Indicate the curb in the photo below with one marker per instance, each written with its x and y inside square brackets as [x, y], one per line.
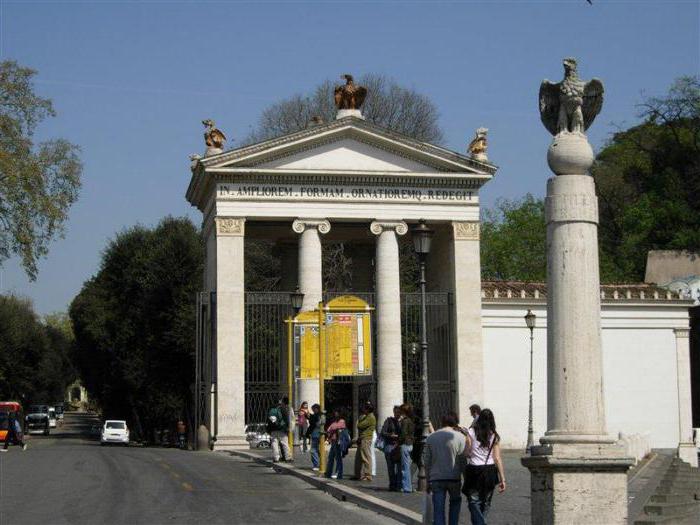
[340, 491]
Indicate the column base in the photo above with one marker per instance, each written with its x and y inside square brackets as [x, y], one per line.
[578, 483]
[688, 452]
[230, 443]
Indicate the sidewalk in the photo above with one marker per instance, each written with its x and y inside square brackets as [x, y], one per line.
[510, 508]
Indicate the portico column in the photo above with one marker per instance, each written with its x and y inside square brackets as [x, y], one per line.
[230, 333]
[686, 449]
[311, 285]
[388, 304]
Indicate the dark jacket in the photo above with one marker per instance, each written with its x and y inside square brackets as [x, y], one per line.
[408, 428]
[314, 424]
[391, 426]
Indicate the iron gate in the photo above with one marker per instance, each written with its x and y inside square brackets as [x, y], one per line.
[205, 374]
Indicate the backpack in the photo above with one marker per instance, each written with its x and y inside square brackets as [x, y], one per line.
[273, 421]
[344, 441]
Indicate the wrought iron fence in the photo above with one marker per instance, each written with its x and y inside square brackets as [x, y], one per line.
[204, 363]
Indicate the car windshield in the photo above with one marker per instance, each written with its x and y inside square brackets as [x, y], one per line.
[115, 424]
[38, 409]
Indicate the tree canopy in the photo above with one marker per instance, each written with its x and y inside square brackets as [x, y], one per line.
[38, 182]
[134, 324]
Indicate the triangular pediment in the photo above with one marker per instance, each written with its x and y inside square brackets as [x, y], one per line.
[349, 144]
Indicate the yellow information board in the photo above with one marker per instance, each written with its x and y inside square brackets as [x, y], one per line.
[306, 345]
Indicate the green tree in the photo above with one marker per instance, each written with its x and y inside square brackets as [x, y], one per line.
[38, 182]
[134, 324]
[648, 182]
[513, 241]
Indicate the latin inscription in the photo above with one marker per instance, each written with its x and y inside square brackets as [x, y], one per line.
[243, 191]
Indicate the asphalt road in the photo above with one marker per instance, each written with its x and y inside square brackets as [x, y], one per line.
[69, 478]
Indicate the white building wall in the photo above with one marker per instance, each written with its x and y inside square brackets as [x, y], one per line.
[639, 369]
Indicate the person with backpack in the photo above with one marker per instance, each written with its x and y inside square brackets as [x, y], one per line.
[388, 442]
[336, 433]
[366, 425]
[406, 433]
[485, 469]
[278, 428]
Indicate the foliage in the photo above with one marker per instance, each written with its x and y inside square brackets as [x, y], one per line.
[134, 325]
[648, 182]
[388, 105]
[35, 360]
[38, 183]
[513, 244]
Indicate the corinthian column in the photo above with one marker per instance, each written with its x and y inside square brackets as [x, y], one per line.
[388, 303]
[310, 284]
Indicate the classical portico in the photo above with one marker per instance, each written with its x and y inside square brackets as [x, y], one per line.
[344, 179]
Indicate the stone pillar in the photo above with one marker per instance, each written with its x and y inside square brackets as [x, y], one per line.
[388, 317]
[230, 334]
[686, 448]
[311, 285]
[579, 474]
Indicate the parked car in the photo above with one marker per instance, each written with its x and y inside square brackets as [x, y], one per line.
[115, 431]
[52, 417]
[7, 408]
[256, 435]
[37, 420]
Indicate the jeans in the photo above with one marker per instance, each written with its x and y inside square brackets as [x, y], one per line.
[406, 483]
[314, 451]
[478, 508]
[335, 455]
[393, 468]
[440, 490]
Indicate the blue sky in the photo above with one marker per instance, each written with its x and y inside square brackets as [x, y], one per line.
[132, 80]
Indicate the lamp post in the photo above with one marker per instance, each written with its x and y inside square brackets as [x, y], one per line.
[530, 321]
[296, 299]
[422, 237]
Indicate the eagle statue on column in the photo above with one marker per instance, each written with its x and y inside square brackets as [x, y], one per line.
[349, 96]
[571, 105]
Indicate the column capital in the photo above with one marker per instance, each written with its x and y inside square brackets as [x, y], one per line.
[322, 225]
[466, 231]
[230, 226]
[682, 333]
[378, 227]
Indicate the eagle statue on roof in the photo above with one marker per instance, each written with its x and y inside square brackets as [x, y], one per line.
[349, 96]
[213, 136]
[571, 105]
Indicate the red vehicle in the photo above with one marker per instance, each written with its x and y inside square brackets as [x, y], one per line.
[7, 408]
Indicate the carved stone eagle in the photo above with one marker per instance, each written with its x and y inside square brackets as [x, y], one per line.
[349, 96]
[213, 136]
[572, 104]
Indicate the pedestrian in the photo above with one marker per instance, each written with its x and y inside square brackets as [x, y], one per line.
[181, 435]
[444, 461]
[335, 453]
[303, 425]
[314, 434]
[408, 428]
[485, 469]
[14, 432]
[474, 410]
[278, 428]
[366, 426]
[389, 439]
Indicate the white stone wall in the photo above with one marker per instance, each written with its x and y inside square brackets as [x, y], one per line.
[639, 369]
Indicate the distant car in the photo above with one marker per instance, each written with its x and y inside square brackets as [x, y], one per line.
[59, 411]
[256, 435]
[115, 431]
[37, 420]
[52, 417]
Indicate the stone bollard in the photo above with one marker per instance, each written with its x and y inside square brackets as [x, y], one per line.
[203, 438]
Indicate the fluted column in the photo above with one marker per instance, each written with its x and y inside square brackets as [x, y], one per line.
[388, 304]
[686, 447]
[310, 284]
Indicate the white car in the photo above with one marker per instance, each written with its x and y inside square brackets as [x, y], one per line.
[115, 431]
[52, 417]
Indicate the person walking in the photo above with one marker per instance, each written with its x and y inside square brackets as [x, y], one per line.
[14, 433]
[314, 434]
[444, 461]
[389, 436]
[366, 425]
[485, 469]
[303, 425]
[278, 428]
[474, 410]
[335, 454]
[406, 435]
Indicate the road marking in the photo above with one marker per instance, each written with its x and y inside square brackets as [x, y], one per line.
[187, 486]
[175, 475]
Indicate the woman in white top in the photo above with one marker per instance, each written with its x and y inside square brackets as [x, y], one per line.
[485, 469]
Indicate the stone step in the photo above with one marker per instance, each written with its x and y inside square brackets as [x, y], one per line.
[676, 489]
[672, 498]
[687, 479]
[671, 509]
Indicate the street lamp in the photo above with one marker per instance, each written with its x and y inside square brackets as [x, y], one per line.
[530, 321]
[422, 238]
[297, 300]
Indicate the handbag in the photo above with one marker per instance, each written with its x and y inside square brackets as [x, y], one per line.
[379, 444]
[482, 478]
[395, 454]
